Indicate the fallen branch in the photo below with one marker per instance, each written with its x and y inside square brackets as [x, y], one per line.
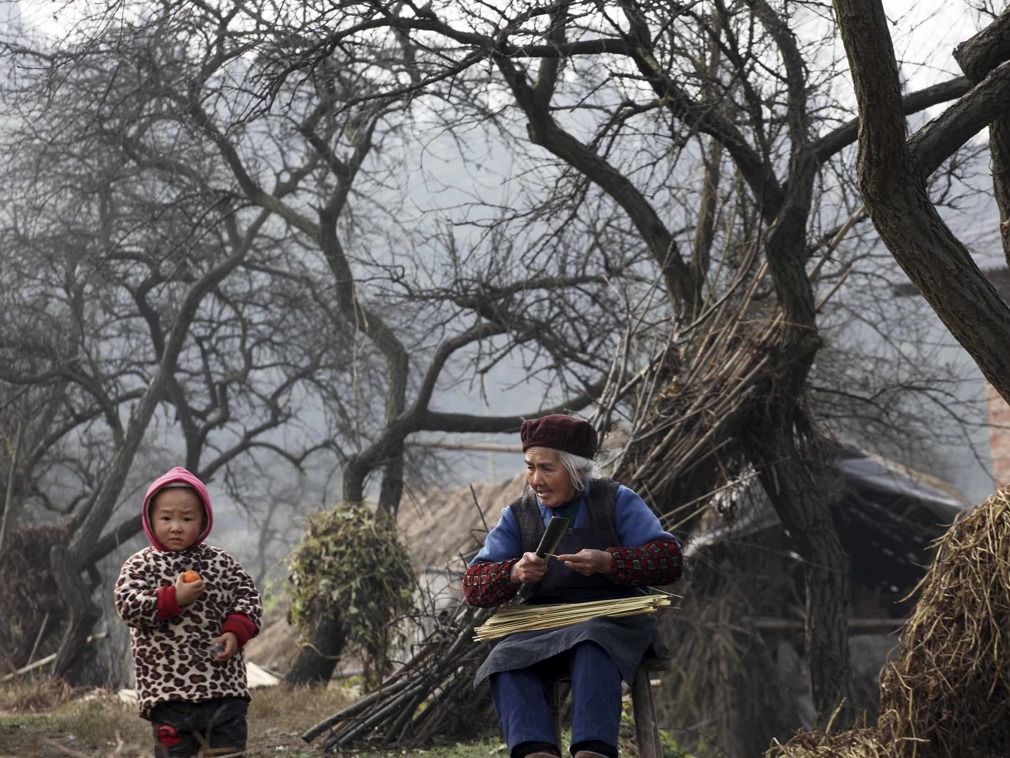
[43, 661]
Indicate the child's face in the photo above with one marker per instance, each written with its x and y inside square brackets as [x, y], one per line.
[177, 517]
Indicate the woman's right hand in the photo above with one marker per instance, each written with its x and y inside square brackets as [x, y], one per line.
[529, 568]
[187, 592]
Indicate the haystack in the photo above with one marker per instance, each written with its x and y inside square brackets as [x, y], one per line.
[948, 692]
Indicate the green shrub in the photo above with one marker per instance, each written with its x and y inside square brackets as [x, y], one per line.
[351, 568]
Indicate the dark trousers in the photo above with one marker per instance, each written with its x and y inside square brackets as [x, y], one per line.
[522, 699]
[205, 728]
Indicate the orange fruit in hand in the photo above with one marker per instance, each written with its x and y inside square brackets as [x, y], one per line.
[189, 576]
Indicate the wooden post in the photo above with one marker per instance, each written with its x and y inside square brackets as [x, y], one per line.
[644, 712]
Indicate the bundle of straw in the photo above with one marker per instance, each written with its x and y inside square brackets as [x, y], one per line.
[951, 686]
[854, 743]
[948, 693]
[526, 618]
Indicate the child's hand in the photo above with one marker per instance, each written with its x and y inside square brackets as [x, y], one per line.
[228, 644]
[187, 592]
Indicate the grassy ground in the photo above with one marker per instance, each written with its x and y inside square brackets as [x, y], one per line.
[44, 719]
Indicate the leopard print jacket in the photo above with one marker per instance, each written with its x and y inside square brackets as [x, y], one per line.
[172, 644]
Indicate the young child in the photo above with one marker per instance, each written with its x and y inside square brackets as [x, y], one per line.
[187, 636]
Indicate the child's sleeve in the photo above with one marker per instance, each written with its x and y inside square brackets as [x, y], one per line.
[138, 602]
[245, 615]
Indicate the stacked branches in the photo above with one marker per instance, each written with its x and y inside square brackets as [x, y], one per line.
[948, 693]
[731, 686]
[28, 596]
[692, 415]
[431, 696]
[526, 618]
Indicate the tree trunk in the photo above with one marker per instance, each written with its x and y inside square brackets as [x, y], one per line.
[893, 187]
[999, 148]
[802, 490]
[316, 661]
[391, 490]
[83, 613]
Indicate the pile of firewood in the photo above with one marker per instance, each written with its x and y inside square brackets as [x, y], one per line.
[430, 696]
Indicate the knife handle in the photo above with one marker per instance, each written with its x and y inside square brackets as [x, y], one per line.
[525, 591]
[526, 588]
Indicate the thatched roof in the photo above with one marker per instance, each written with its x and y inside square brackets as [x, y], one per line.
[887, 515]
[438, 524]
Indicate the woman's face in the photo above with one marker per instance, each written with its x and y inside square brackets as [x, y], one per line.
[547, 477]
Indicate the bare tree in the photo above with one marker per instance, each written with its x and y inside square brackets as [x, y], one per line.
[142, 292]
[666, 150]
[616, 95]
[893, 168]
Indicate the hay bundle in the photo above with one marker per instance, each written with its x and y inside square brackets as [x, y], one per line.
[950, 687]
[854, 743]
[525, 618]
[949, 691]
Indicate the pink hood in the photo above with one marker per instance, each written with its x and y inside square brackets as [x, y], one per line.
[177, 475]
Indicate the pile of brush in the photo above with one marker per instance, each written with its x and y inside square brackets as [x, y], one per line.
[948, 692]
[431, 696]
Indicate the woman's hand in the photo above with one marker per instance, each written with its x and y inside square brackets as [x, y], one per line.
[529, 568]
[587, 561]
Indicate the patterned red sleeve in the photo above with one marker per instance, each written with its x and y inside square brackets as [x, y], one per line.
[656, 562]
[487, 584]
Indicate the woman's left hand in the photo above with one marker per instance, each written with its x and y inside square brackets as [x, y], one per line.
[587, 561]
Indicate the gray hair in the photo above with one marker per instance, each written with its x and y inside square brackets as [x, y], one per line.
[579, 469]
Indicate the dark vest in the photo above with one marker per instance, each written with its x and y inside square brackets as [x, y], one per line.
[560, 584]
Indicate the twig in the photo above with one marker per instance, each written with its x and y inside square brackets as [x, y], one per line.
[38, 638]
[9, 494]
[476, 504]
[43, 661]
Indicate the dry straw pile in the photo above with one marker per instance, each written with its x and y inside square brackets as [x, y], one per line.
[948, 692]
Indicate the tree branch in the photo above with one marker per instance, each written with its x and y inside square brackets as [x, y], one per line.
[895, 194]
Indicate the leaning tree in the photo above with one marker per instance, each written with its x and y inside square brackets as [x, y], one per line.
[685, 151]
[707, 135]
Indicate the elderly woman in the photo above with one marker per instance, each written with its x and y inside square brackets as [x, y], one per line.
[614, 546]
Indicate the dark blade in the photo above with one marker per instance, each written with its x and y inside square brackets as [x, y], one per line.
[552, 536]
[548, 543]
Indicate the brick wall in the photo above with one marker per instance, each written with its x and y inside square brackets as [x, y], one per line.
[998, 413]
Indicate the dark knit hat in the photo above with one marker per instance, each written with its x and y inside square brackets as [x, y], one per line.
[559, 432]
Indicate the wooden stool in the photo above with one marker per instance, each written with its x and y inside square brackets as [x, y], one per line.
[643, 709]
